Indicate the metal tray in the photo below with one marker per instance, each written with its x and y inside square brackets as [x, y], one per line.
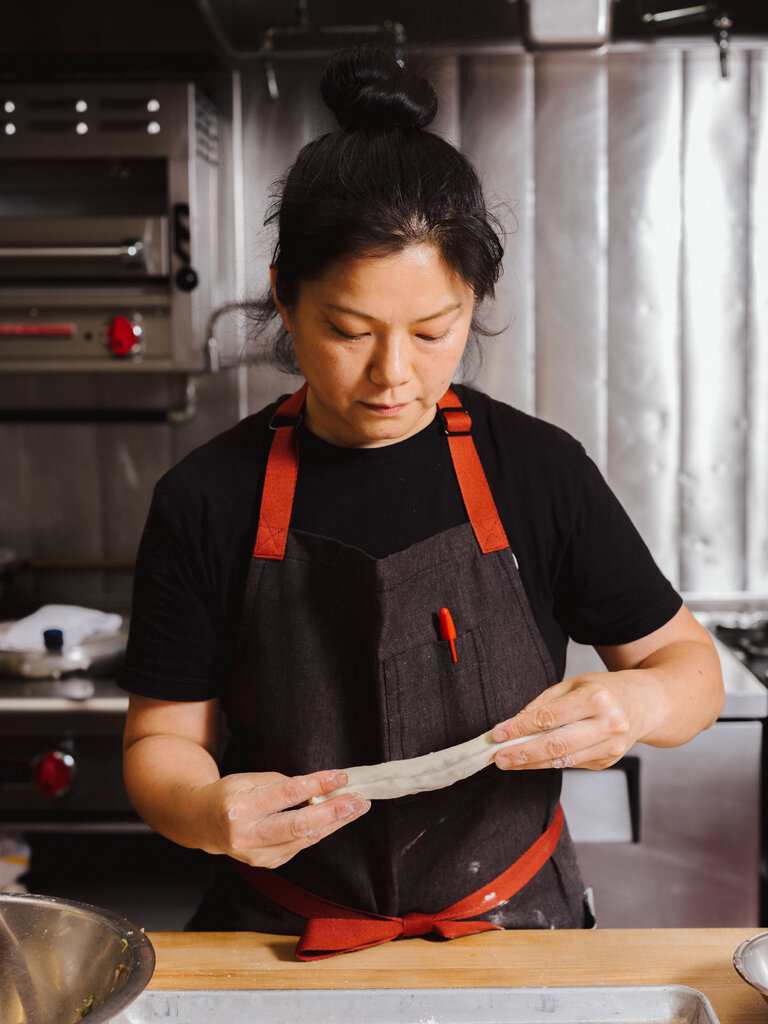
[663, 1004]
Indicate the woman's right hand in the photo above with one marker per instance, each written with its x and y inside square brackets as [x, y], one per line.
[264, 819]
[261, 818]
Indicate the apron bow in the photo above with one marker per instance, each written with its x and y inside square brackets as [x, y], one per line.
[332, 928]
[328, 936]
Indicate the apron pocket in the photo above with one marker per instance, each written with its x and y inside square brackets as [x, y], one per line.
[431, 701]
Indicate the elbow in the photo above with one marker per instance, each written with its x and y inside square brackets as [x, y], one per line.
[717, 704]
[714, 672]
[709, 699]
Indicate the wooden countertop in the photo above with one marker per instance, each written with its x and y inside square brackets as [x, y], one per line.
[701, 958]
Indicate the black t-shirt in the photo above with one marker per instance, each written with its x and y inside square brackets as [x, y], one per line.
[585, 569]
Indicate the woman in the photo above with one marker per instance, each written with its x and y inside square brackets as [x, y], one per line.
[371, 510]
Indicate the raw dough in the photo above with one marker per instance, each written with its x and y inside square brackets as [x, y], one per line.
[419, 774]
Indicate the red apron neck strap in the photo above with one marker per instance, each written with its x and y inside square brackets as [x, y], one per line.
[280, 479]
[478, 500]
[283, 468]
[289, 409]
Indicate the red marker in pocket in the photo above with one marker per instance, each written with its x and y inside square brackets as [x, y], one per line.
[448, 631]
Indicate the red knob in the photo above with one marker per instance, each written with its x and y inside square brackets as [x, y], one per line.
[53, 773]
[122, 337]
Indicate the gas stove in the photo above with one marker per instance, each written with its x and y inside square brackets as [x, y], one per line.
[61, 722]
[749, 642]
[77, 691]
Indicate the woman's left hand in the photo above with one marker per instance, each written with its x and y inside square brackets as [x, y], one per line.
[594, 718]
[662, 689]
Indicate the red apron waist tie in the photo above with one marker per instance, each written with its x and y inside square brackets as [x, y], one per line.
[332, 929]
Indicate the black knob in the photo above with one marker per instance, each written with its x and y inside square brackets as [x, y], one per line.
[186, 279]
[53, 640]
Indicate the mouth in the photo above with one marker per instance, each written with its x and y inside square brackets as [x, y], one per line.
[385, 410]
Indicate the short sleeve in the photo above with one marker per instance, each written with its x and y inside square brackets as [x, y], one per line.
[192, 565]
[609, 589]
[173, 643]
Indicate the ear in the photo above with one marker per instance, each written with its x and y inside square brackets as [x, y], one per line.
[283, 310]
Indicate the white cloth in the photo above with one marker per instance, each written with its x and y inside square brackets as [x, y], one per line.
[75, 623]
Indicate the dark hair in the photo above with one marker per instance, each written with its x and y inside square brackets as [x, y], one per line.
[377, 185]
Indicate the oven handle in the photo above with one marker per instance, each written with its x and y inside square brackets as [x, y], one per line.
[130, 252]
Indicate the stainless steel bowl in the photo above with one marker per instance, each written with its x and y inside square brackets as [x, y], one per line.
[751, 961]
[61, 961]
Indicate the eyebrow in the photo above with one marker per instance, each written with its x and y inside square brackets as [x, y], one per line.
[421, 320]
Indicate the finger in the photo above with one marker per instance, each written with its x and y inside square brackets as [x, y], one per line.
[530, 721]
[284, 793]
[552, 693]
[581, 744]
[540, 751]
[533, 718]
[565, 702]
[282, 835]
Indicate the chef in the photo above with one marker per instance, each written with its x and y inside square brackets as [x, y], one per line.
[386, 564]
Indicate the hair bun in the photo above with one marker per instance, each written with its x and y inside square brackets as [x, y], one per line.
[367, 88]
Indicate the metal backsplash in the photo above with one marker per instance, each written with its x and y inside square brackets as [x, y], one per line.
[634, 304]
[634, 183]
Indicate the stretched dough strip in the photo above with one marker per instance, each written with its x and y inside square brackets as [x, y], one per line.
[420, 774]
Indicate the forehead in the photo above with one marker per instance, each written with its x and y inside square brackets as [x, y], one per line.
[416, 276]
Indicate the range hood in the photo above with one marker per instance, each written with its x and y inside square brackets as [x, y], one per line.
[248, 28]
[42, 37]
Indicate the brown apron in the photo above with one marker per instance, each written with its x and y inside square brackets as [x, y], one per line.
[341, 662]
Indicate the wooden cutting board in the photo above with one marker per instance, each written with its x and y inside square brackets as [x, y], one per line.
[700, 958]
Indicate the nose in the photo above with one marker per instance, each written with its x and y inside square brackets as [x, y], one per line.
[390, 362]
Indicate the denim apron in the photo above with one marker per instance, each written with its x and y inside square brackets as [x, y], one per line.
[341, 662]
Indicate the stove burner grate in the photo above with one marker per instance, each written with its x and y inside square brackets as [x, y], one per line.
[751, 639]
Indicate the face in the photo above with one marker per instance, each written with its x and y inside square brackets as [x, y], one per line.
[378, 341]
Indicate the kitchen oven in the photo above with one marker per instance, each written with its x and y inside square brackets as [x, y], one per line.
[108, 225]
[61, 717]
[62, 795]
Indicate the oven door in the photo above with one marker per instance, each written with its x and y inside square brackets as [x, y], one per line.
[84, 262]
[62, 799]
[60, 760]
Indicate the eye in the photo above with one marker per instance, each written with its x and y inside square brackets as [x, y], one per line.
[343, 334]
[435, 338]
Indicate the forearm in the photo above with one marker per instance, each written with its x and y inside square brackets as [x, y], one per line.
[166, 778]
[680, 692]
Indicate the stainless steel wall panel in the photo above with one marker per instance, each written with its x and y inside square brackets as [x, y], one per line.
[757, 292]
[15, 520]
[501, 148]
[63, 489]
[571, 241]
[645, 104]
[217, 410]
[132, 457]
[273, 132]
[713, 414]
[446, 76]
[49, 501]
[633, 307]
